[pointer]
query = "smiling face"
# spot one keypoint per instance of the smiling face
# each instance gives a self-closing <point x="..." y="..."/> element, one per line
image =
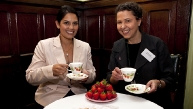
<point x="68" y="26"/>
<point x="128" y="25"/>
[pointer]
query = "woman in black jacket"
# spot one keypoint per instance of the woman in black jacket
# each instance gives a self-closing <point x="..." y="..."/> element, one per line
<point x="148" y="54"/>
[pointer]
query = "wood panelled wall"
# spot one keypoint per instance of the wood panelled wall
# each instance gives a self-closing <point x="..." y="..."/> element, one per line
<point x="22" y="25"/>
<point x="21" y="28"/>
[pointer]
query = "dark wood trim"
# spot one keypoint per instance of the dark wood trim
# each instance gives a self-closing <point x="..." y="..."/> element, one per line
<point x="50" y="3"/>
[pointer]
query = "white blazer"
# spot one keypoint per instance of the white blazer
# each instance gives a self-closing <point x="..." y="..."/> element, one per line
<point x="49" y="52"/>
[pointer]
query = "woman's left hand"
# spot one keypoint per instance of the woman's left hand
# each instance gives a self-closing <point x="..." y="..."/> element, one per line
<point x="153" y="84"/>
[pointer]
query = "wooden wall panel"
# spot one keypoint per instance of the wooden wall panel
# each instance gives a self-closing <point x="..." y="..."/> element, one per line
<point x="7" y="62"/>
<point x="182" y="28"/>
<point x="27" y="29"/>
<point x="50" y="29"/>
<point x="21" y="28"/>
<point x="159" y="20"/>
<point x="93" y="38"/>
<point x="93" y="31"/>
<point x="110" y="33"/>
<point x="81" y="30"/>
<point x="5" y="34"/>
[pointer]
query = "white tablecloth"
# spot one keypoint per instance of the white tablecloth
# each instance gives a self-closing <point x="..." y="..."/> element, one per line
<point x="123" y="101"/>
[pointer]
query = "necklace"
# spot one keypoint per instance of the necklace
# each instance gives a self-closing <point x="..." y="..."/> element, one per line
<point x="66" y="51"/>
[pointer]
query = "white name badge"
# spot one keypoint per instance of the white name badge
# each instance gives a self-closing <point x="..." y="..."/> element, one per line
<point x="148" y="55"/>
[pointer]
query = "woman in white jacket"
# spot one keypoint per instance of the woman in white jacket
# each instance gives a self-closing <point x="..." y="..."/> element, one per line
<point x="50" y="61"/>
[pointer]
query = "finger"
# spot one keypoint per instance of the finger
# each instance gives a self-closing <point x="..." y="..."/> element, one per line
<point x="116" y="77"/>
<point x="63" y="66"/>
<point x="149" y="84"/>
<point x="114" y="74"/>
<point x="60" y="72"/>
<point x="85" y="71"/>
<point x="152" y="90"/>
<point x="117" y="70"/>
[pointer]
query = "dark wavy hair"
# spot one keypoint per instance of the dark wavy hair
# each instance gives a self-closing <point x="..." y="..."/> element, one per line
<point x="130" y="6"/>
<point x="64" y="10"/>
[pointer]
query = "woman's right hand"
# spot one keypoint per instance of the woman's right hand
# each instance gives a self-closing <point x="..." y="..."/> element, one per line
<point x="116" y="75"/>
<point x="59" y="69"/>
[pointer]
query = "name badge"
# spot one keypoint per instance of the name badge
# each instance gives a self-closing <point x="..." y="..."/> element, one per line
<point x="148" y="55"/>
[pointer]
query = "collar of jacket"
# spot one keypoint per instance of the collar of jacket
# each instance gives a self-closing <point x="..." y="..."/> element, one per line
<point x="146" y="42"/>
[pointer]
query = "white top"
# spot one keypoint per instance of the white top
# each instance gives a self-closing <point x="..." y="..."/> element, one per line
<point x="123" y="101"/>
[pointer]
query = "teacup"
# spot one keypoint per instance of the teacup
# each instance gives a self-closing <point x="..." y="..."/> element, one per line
<point x="76" y="67"/>
<point x="128" y="73"/>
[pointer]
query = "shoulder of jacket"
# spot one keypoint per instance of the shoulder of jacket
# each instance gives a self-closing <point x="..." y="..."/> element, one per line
<point x="120" y="41"/>
<point x="80" y="42"/>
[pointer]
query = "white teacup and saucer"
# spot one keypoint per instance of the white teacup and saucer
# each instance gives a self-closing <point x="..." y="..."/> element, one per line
<point x="76" y="69"/>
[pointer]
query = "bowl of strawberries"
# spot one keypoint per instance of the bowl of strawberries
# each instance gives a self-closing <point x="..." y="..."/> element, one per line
<point x="101" y="91"/>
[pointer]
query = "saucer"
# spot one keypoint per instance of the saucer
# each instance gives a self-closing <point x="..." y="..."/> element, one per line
<point x="137" y="88"/>
<point x="79" y="76"/>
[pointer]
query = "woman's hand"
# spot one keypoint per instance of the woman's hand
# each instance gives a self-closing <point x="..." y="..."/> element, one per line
<point x="59" y="69"/>
<point x="153" y="84"/>
<point x="116" y="75"/>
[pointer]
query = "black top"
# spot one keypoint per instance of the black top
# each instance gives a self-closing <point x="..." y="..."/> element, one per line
<point x="132" y="53"/>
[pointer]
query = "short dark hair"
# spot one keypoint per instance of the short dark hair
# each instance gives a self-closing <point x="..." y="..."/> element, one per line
<point x="64" y="10"/>
<point x="130" y="6"/>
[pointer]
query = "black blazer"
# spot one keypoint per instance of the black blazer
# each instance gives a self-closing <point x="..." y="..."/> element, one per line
<point x="160" y="67"/>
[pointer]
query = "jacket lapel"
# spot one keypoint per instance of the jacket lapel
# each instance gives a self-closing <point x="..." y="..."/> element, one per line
<point x="58" y="51"/>
<point x="145" y="43"/>
<point x="121" y="56"/>
<point x="77" y="51"/>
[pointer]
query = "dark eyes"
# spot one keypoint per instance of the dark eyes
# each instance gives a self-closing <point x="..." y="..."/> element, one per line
<point x="66" y="23"/>
<point x="69" y="23"/>
<point x="75" y="23"/>
<point x="118" y="22"/>
<point x="125" y="21"/>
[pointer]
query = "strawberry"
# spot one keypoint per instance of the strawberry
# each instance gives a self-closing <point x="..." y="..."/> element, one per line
<point x="103" y="83"/>
<point x="114" y="94"/>
<point x="109" y="95"/>
<point x="96" y="96"/>
<point x="89" y="94"/>
<point x="99" y="89"/>
<point x="103" y="96"/>
<point x="109" y="87"/>
<point x="93" y="85"/>
<point x="93" y="89"/>
<point x="97" y="84"/>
